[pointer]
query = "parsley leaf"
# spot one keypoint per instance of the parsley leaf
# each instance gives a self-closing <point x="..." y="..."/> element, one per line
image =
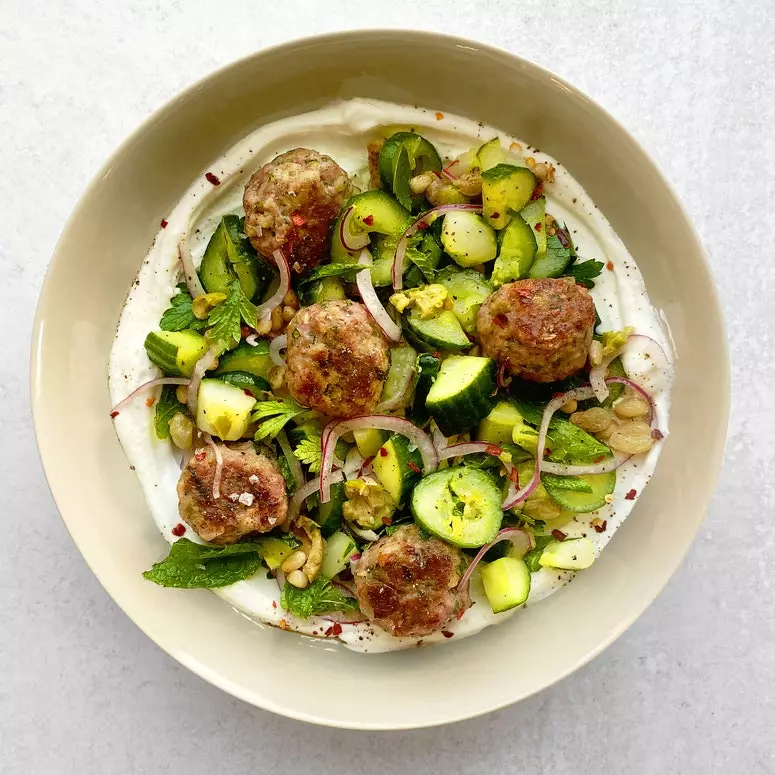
<point x="585" y="272"/>
<point x="226" y="319"/>
<point x="166" y="408"/>
<point x="280" y="413"/>
<point x="180" y="315"/>
<point x="424" y="251"/>
<point x="192" y="566"/>
<point x="320" y="597"/>
<point x="309" y="452"/>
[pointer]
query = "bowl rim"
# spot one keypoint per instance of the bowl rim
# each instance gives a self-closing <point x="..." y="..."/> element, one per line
<point x="47" y="455"/>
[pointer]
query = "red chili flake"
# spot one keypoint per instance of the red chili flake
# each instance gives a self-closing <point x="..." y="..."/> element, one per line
<point x="559" y="535"/>
<point x="538" y="226"/>
<point x="495" y="215"/>
<point x="600" y="527"/>
<point x="439" y="115"/>
<point x="514" y="475"/>
<point x="537" y="192"/>
<point x="383" y="452"/>
<point x="336" y="629"/>
<point x="422" y="225"/>
<point x="413" y="466"/>
<point x="657" y="434"/>
<point x="369" y="220"/>
<point x="201" y="455"/>
<point x="245" y="331"/>
<point x="298" y="220"/>
<point x="447" y="633"/>
<point x="547" y="452"/>
<point x="149" y="402"/>
<point x="562" y="235"/>
<point x="436" y="354"/>
<point x="283" y="624"/>
<point x="599" y="459"/>
<point x="500" y="321"/>
<point x="178" y="530"/>
<point x="163" y="223"/>
<point x="557" y="395"/>
<point x="387" y="520"/>
<point x="328" y="631"/>
<point x="274" y="604"/>
<point x="114" y="415"/>
<point x="247" y="392"/>
<point x="214" y="179"/>
<point x="493" y="449"/>
<point x="459" y="614"/>
<point x="631" y="495"/>
<point x="610" y="266"/>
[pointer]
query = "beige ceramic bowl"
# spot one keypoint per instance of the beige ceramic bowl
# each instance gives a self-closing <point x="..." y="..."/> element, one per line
<point x="101" y="501"/>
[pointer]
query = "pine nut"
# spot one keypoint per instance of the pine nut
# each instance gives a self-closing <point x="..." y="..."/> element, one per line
<point x="570" y="407"/>
<point x="264" y="327"/>
<point x="291" y="300"/>
<point x="181" y="393"/>
<point x="293" y="562"/>
<point x="297" y="579"/>
<point x="277" y="319"/>
<point x="288" y="313"/>
<point x="595" y="353"/>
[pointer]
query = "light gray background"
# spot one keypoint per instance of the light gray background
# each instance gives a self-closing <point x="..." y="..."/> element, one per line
<point x="690" y="687"/>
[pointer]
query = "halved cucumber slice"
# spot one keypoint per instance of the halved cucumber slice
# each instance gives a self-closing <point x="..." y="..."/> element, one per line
<point x="517" y="252"/>
<point x="223" y="410"/>
<point x="402" y="360"/>
<point x="397" y="466"/>
<point x="369" y="441"/>
<point x="467" y="239"/>
<point x="427" y="371"/>
<point x="581" y="502"/>
<point x="175" y="352"/>
<point x="491" y="154"/>
<point x="460" y="505"/>
<point x="253" y="360"/>
<point x="324" y="289"/>
<point x="339" y="548"/>
<point x="497" y="427"/>
<point x="402" y="156"/>
<point x="442" y="331"/>
<point x="250" y="382"/>
<point x="329" y="515"/>
<point x="468" y="289"/>
<point x="534" y="214"/>
<point x="571" y="554"/>
<point x="506" y="189"/>
<point x="506" y="583"/>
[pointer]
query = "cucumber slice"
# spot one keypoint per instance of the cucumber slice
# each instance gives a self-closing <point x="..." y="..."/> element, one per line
<point x="339" y="548"/>
<point x="427" y="370"/>
<point x="506" y="189"/>
<point x="517" y="253"/>
<point x="534" y="214"/>
<point x="468" y="289"/>
<point x="491" y="154"/>
<point x="442" y="331"/>
<point x="397" y="466"/>
<point x="325" y="289"/>
<point x="274" y="551"/>
<point x="467" y="239"/>
<point x="253" y="360"/>
<point x="599" y="485"/>
<point x="329" y="515"/>
<point x="558" y="256"/>
<point x="460" y="505"/>
<point x="402" y="360"/>
<point x="571" y="554"/>
<point x="369" y="441"/>
<point x="223" y="410"/>
<point x="506" y="583"/>
<point x="403" y="155"/>
<point x="463" y="393"/>
<point x="497" y="427"/>
<point x="175" y="352"/>
<point x="250" y="382"/>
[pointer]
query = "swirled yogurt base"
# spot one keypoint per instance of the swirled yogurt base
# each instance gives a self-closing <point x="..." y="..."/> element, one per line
<point x="342" y="130"/>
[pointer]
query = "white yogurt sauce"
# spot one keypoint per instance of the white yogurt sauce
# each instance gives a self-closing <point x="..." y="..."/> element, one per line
<point x="342" y="130"/>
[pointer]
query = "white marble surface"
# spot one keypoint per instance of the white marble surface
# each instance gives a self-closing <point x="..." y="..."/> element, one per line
<point x="690" y="688"/>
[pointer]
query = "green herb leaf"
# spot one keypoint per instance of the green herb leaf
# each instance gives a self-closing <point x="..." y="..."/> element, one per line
<point x="585" y="272"/>
<point x="285" y="470"/>
<point x="278" y="412"/>
<point x="533" y="557"/>
<point x="192" y="566"/>
<point x="226" y="319"/>
<point x="166" y="408"/>
<point x="570" y="483"/>
<point x="320" y="597"/>
<point x="329" y="270"/>
<point x="180" y="316"/>
<point x="310" y="453"/>
<point x="424" y="251"/>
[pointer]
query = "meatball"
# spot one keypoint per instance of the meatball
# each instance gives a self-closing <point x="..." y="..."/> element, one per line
<point x="540" y="330"/>
<point x="337" y="359"/>
<point x="408" y="584"/>
<point x="290" y="204"/>
<point x="252" y="494"/>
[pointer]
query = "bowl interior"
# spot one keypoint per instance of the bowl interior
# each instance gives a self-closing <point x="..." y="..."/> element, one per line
<point x="100" y="498"/>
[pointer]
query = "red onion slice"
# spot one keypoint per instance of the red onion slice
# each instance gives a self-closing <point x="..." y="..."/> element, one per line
<point x="561" y="469"/>
<point x="365" y="535"/>
<point x="277" y="344"/>
<point x="374" y="306"/>
<point x="353" y="464"/>
<point x="298" y="498"/>
<point x="193" y="283"/>
<point x="207" y="361"/>
<point x="151" y="383"/>
<point x="264" y="311"/>
<point x="523" y="542"/>
<point x="352" y="240"/>
<point x="252" y="340"/>
<point x="218" y="466"/>
<point x="469" y="448"/>
<point x="423" y="222"/>
<point x="649" y="343"/>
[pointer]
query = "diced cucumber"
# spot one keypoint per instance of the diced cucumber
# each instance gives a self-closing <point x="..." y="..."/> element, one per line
<point x="250" y="382"/>
<point x="325" y="289"/>
<point x="402" y="360"/>
<point x="369" y="440"/>
<point x="491" y="154"/>
<point x="442" y="331"/>
<point x="329" y="515"/>
<point x="517" y="253"/>
<point x="175" y="352"/>
<point x="463" y="393"/>
<point x="571" y="554"/>
<point x="397" y="466"/>
<point x="427" y="370"/>
<point x="497" y="427"/>
<point x="467" y="239"/>
<point x="402" y="156"/>
<point x="468" y="289"/>
<point x="534" y="214"/>
<point x="506" y="189"/>
<point x="223" y="410"/>
<point x="460" y="505"/>
<point x="506" y="583"/>
<point x="253" y="360"/>
<point x="600" y="485"/>
<point x="274" y="551"/>
<point x="339" y="548"/>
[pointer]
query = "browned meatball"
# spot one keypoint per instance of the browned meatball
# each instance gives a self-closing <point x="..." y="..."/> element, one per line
<point x="252" y="494"/>
<point x="539" y="329"/>
<point x="337" y="359"/>
<point x="408" y="584"/>
<point x="291" y="202"/>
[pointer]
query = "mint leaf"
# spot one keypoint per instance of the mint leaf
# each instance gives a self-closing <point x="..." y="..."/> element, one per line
<point x="533" y="557"/>
<point x="180" y="316"/>
<point x="585" y="272"/>
<point x="166" y="408"/>
<point x="227" y="318"/>
<point x="424" y="251"/>
<point x="192" y="566"/>
<point x="569" y="483"/>
<point x="320" y="597"/>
